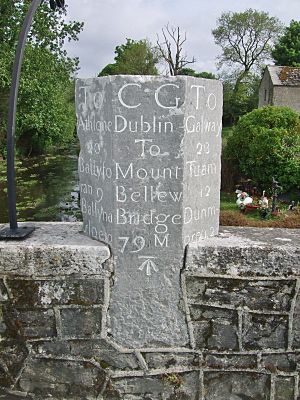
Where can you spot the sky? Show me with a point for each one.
(107, 24)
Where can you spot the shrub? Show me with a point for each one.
(266, 143)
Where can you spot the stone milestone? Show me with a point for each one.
(149, 170)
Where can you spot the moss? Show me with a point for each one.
(104, 364)
(172, 379)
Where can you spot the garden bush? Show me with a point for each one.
(266, 143)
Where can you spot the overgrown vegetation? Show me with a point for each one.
(45, 114)
(266, 143)
(284, 220)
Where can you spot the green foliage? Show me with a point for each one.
(133, 58)
(45, 114)
(287, 50)
(239, 96)
(246, 38)
(266, 143)
(109, 69)
(192, 72)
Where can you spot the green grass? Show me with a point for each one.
(228, 202)
(230, 215)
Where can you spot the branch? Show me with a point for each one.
(173, 36)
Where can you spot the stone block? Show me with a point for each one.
(286, 362)
(177, 386)
(296, 324)
(214, 328)
(284, 388)
(7, 394)
(45, 293)
(29, 324)
(62, 379)
(12, 357)
(3, 292)
(245, 251)
(170, 360)
(53, 250)
(3, 327)
(149, 170)
(96, 349)
(235, 361)
(236, 386)
(268, 295)
(139, 386)
(262, 331)
(81, 322)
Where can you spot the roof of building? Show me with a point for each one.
(284, 76)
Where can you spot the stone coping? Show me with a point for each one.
(247, 251)
(236, 250)
(56, 234)
(233, 236)
(54, 248)
(70, 234)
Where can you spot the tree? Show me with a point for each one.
(246, 38)
(287, 50)
(192, 72)
(266, 143)
(133, 58)
(46, 114)
(239, 99)
(45, 111)
(171, 49)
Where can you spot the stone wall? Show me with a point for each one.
(240, 295)
(287, 96)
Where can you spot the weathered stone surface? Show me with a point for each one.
(3, 292)
(3, 327)
(169, 360)
(50, 374)
(262, 331)
(39, 293)
(149, 172)
(81, 322)
(181, 386)
(12, 357)
(99, 350)
(53, 249)
(214, 328)
(286, 362)
(260, 295)
(236, 386)
(29, 324)
(247, 252)
(7, 394)
(224, 361)
(284, 388)
(296, 324)
(64, 379)
(153, 386)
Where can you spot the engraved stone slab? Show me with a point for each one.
(149, 172)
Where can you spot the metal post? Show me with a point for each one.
(15, 232)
